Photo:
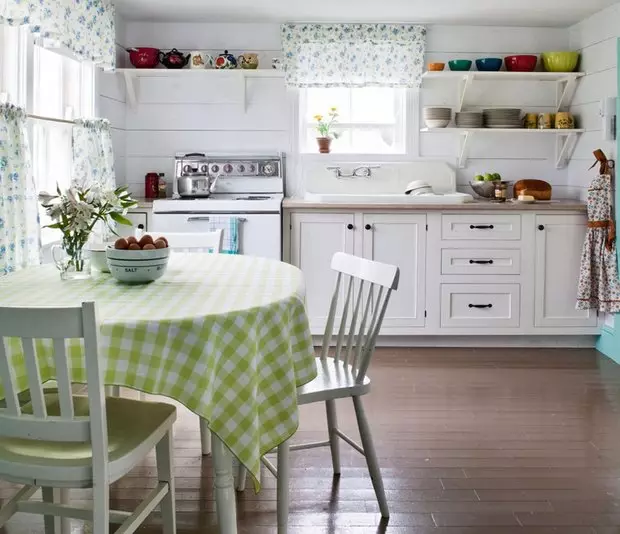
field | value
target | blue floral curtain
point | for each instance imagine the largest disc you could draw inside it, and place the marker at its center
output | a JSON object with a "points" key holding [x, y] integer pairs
{"points": [[353, 55], [85, 27], [19, 219], [93, 157]]}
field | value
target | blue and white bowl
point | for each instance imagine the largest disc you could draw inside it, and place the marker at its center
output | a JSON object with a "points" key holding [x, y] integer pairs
{"points": [[137, 266]]}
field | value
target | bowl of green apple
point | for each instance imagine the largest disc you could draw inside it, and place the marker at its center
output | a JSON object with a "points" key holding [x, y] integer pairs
{"points": [[484, 185]]}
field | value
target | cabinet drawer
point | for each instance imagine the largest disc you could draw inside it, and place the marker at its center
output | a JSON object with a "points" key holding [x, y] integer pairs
{"points": [[480, 261], [480, 306], [477, 226]]}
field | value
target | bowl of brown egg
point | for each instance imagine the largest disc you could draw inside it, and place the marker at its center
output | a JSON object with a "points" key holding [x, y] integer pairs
{"points": [[138, 261]]}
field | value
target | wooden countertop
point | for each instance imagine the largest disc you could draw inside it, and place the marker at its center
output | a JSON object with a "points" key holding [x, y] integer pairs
{"points": [[554, 205]]}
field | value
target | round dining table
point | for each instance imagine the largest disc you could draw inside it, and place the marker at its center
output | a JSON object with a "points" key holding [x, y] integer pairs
{"points": [[226, 336]]}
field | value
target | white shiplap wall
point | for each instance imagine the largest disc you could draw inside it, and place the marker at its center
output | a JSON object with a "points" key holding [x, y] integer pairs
{"points": [[596, 38], [173, 116]]}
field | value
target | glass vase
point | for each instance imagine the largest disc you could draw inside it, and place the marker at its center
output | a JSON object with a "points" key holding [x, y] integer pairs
{"points": [[72, 261]]}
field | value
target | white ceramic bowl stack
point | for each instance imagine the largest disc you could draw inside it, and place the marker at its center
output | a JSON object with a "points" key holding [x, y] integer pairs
{"points": [[437, 117], [503, 118], [469, 119], [137, 266]]}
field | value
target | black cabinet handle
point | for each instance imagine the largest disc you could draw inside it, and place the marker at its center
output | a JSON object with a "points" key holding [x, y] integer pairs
{"points": [[350, 226], [481, 306], [481, 262], [481, 227], [541, 227], [368, 227]]}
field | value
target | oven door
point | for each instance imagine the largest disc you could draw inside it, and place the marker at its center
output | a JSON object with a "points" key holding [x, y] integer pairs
{"points": [[259, 234]]}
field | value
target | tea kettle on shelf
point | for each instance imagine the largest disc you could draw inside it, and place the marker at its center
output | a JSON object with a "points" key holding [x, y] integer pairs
{"points": [[174, 59]]}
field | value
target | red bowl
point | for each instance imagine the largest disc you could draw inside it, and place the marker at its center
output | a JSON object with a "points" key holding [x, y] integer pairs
{"points": [[520, 63], [144, 57]]}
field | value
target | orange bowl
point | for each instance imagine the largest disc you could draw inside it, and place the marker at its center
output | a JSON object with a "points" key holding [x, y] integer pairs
{"points": [[436, 66]]}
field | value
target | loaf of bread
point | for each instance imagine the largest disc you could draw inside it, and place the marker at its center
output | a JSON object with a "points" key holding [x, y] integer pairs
{"points": [[539, 189]]}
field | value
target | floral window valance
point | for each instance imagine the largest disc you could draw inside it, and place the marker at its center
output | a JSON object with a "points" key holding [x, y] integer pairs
{"points": [[353, 55], [85, 27]]}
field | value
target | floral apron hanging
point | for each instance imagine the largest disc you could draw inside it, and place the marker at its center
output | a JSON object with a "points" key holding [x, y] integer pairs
{"points": [[599, 285]]}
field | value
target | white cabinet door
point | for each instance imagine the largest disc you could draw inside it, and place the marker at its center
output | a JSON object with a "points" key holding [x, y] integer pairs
{"points": [[400, 240], [559, 241], [315, 238]]}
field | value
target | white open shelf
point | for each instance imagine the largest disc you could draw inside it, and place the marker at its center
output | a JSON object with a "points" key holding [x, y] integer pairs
{"points": [[566, 140], [132, 78], [566, 82]]}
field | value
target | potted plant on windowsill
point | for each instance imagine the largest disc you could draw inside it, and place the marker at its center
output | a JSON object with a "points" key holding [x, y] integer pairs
{"points": [[325, 128]]}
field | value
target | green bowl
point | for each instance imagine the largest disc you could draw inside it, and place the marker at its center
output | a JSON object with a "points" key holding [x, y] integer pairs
{"points": [[560, 61], [460, 64]]}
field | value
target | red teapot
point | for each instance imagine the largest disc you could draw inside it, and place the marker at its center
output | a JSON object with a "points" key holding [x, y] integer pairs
{"points": [[174, 59]]}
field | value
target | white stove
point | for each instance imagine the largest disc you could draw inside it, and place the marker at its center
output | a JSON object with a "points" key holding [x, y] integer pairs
{"points": [[210, 190]]}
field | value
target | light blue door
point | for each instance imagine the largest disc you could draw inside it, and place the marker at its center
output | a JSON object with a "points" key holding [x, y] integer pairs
{"points": [[609, 342]]}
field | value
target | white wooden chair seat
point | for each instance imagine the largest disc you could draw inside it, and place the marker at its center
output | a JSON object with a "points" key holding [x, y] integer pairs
{"points": [[334, 380], [134, 428]]}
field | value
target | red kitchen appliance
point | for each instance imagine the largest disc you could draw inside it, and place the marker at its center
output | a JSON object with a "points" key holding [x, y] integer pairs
{"points": [[151, 185]]}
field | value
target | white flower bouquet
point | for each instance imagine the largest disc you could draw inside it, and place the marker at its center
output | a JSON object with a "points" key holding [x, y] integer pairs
{"points": [[76, 212]]}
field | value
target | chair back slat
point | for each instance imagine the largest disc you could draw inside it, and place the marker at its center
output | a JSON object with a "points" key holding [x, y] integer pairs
{"points": [[203, 242], [34, 379], [51, 328], [354, 317], [343, 320], [331, 316], [63, 379], [360, 346], [361, 334], [8, 382]]}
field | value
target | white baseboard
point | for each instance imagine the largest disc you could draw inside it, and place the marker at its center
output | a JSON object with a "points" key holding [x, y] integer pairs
{"points": [[484, 341]]}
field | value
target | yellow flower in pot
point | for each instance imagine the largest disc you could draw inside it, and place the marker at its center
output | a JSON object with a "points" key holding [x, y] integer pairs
{"points": [[325, 128]]}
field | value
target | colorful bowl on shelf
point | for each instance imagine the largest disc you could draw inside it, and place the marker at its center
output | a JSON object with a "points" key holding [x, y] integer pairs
{"points": [[521, 63], [560, 61], [460, 64], [489, 64], [144, 57], [436, 67]]}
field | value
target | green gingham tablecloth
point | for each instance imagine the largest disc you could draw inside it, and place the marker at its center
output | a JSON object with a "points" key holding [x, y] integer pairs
{"points": [[226, 336]]}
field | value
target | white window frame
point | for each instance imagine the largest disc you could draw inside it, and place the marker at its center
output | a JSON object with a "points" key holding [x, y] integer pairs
{"points": [[408, 126]]}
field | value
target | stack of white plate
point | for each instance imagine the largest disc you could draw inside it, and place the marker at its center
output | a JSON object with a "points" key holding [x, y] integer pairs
{"points": [[437, 117], [137, 266], [468, 119], [503, 118]]}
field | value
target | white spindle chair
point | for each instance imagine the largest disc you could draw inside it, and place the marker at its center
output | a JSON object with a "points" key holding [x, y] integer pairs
{"points": [[58, 440], [367, 294], [199, 242]]}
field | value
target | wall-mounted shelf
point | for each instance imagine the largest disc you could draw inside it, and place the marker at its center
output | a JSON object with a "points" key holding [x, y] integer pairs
{"points": [[566, 82], [240, 76], [565, 140]]}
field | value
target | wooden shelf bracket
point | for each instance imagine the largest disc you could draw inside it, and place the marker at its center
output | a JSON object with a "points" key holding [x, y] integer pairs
{"points": [[564, 148], [565, 91], [464, 144]]}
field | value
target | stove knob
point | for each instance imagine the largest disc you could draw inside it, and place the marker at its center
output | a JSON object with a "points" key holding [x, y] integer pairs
{"points": [[251, 168], [228, 168], [215, 168], [187, 168], [204, 169], [241, 168], [269, 169]]}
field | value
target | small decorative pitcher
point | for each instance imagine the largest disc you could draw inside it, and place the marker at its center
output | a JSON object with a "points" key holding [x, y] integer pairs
{"points": [[249, 60], [72, 261]]}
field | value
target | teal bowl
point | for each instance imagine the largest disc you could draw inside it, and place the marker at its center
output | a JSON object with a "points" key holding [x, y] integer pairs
{"points": [[460, 64], [560, 61]]}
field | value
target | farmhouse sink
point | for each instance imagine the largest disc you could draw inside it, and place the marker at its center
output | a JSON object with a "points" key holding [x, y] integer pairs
{"points": [[388, 198]]}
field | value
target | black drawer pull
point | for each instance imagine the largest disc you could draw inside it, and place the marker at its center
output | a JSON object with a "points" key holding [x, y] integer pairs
{"points": [[481, 262], [350, 226], [481, 306], [368, 227], [481, 227], [541, 227]]}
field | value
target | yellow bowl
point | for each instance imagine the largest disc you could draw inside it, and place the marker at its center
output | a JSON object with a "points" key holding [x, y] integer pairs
{"points": [[560, 61]]}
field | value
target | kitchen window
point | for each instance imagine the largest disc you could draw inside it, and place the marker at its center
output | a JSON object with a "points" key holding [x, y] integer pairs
{"points": [[54, 87], [371, 119]]}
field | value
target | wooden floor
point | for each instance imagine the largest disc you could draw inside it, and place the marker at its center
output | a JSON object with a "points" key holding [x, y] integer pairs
{"points": [[470, 441]]}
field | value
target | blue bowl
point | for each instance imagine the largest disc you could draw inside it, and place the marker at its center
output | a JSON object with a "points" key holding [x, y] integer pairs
{"points": [[489, 64]]}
